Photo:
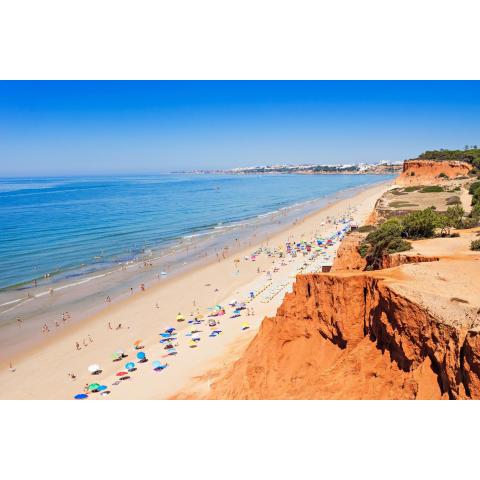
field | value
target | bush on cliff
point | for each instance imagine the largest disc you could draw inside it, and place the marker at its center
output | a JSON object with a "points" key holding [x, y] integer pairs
{"points": [[421, 224], [387, 238], [475, 245], [468, 155], [390, 237]]}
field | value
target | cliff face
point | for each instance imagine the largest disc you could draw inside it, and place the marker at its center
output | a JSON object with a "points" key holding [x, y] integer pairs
{"points": [[348, 257], [351, 336], [425, 172]]}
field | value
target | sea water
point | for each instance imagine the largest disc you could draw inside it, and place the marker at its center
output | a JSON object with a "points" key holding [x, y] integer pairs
{"points": [[57, 226]]}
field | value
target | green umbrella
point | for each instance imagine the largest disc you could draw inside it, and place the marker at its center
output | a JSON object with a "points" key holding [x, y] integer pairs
{"points": [[93, 386]]}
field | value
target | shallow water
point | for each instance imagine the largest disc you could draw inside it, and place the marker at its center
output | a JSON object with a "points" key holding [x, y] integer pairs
{"points": [[67, 227]]}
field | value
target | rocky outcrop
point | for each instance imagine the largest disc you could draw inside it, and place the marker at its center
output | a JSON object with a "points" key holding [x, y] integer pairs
{"points": [[397, 259], [427, 172], [352, 336], [348, 257]]}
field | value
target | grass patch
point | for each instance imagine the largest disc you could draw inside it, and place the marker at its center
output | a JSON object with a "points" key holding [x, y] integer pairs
{"points": [[397, 191], [402, 204], [432, 189], [412, 188]]}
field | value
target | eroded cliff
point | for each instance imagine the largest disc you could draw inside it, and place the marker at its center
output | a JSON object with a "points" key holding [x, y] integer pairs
{"points": [[426, 172], [353, 336]]}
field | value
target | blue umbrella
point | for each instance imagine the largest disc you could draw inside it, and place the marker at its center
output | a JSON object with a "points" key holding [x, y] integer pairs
{"points": [[141, 355], [170, 330], [165, 335], [101, 388], [80, 396], [157, 365], [130, 366]]}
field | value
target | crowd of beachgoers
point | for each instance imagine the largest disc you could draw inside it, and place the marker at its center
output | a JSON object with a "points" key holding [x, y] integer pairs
{"points": [[197, 328]]}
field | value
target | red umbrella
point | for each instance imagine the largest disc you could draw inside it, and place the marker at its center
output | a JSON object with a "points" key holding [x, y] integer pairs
{"points": [[122, 374]]}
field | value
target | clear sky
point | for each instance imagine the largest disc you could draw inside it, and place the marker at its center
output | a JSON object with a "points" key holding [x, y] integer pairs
{"points": [[61, 128]]}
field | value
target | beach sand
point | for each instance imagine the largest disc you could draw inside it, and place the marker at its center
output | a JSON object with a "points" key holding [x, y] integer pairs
{"points": [[42, 372]]}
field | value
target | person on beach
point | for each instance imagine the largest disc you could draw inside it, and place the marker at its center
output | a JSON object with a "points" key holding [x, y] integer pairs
{"points": [[85, 344], [90, 339], [19, 320], [11, 367], [108, 299], [109, 326], [77, 346]]}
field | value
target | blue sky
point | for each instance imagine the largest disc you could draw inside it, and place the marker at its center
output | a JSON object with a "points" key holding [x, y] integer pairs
{"points": [[61, 128]]}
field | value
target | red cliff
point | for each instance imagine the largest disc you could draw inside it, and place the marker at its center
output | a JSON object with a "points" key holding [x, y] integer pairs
{"points": [[352, 336], [425, 172]]}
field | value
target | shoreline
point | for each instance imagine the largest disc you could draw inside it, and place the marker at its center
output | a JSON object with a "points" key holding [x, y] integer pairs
{"points": [[86, 296], [137, 310]]}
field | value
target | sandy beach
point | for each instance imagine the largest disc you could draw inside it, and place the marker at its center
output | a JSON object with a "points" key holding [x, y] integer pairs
{"points": [[43, 372]]}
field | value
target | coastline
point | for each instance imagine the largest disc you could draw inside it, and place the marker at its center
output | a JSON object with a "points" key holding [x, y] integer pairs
{"points": [[83, 296], [141, 319]]}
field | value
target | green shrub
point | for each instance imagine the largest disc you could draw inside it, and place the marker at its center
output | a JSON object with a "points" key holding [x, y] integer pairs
{"points": [[443, 175], [473, 187], [366, 228], [420, 224], [385, 239], [412, 189], [432, 189], [475, 213], [398, 245], [475, 245], [363, 250]]}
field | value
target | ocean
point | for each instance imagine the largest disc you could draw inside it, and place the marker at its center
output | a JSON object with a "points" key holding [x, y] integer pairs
{"points": [[69, 227]]}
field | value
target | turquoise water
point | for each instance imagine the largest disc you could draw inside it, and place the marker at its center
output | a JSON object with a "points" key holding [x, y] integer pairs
{"points": [[67, 227]]}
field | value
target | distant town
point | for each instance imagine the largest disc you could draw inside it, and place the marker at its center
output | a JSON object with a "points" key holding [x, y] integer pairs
{"points": [[380, 168]]}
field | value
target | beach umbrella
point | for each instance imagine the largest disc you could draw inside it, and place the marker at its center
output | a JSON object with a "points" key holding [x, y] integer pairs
{"points": [[80, 396], [157, 365], [121, 374], [245, 325], [170, 330], [94, 368], [93, 386], [130, 366], [141, 355], [180, 318], [101, 388], [137, 342]]}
